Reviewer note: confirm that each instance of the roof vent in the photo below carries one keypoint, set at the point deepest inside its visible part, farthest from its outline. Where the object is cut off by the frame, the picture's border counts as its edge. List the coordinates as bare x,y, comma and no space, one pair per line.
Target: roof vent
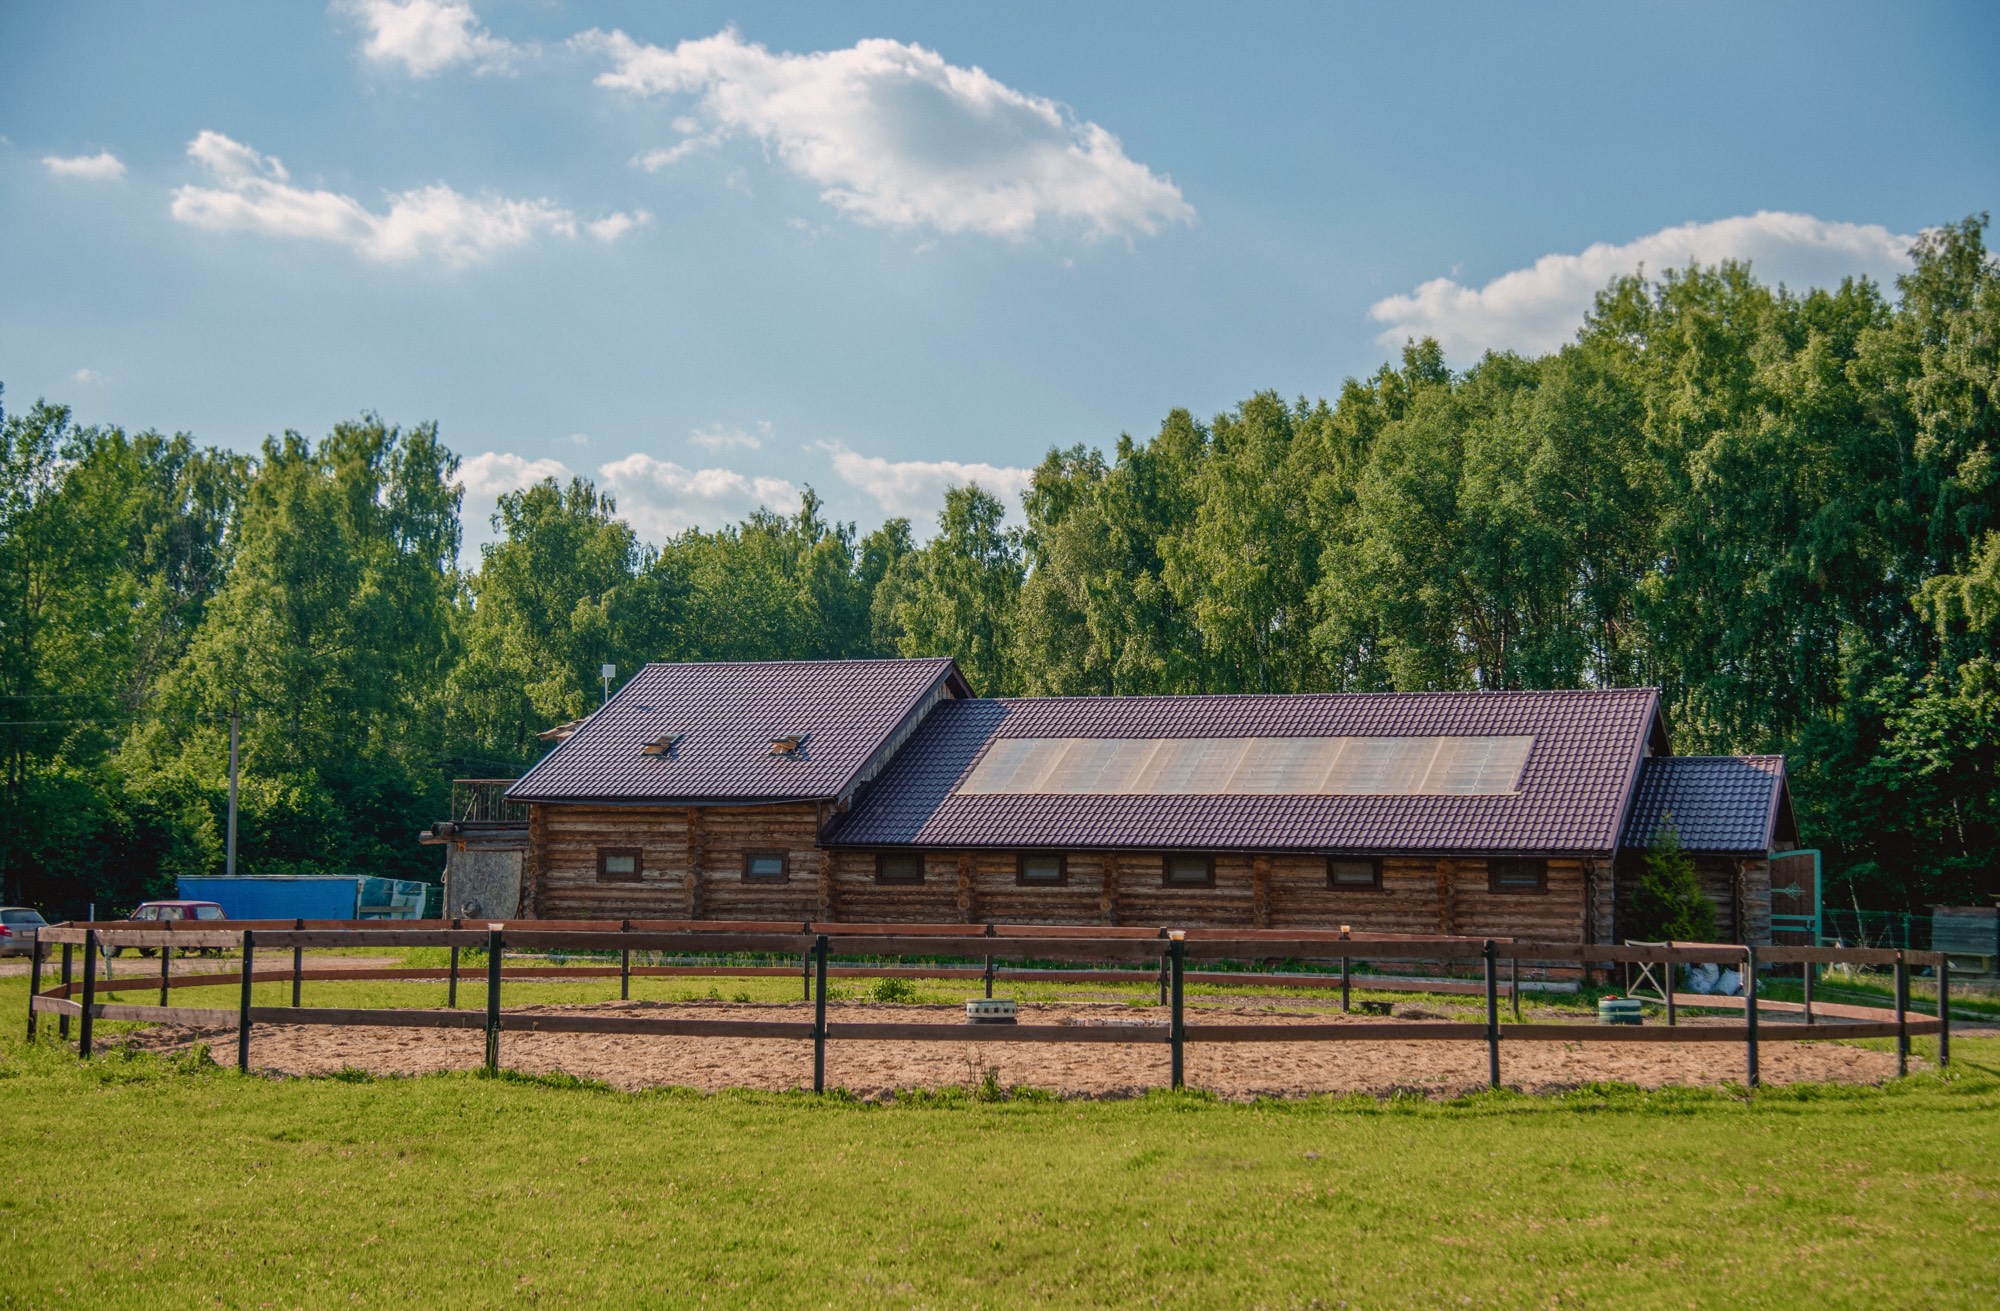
663,745
792,747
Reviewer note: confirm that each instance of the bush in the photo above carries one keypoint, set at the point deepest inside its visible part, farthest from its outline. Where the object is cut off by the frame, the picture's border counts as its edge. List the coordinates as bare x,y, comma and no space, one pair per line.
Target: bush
1668,903
893,989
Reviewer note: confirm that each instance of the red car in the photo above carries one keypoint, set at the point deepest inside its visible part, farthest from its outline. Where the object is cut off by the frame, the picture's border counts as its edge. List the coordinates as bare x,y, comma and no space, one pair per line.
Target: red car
155,911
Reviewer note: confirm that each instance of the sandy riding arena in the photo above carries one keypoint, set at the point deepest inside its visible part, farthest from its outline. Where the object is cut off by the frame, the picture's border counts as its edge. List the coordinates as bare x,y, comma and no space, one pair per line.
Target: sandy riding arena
872,1069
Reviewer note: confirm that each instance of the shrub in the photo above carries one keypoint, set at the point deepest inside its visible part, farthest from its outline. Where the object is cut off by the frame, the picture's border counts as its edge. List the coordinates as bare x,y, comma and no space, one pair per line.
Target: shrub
893,989
1668,903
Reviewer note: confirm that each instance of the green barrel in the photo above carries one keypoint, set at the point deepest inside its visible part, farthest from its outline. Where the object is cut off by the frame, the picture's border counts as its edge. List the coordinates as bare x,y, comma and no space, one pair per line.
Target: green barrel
1618,1010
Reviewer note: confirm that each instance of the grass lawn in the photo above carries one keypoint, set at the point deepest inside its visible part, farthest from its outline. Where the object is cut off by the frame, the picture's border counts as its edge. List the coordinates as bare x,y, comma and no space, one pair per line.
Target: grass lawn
135,1181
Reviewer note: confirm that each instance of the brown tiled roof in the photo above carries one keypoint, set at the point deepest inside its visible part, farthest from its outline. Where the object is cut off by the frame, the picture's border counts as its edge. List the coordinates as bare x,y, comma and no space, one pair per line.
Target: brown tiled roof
1724,804
1572,794
727,716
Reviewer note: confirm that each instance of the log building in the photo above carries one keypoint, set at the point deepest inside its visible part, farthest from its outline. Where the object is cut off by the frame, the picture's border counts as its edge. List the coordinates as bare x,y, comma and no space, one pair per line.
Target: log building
882,790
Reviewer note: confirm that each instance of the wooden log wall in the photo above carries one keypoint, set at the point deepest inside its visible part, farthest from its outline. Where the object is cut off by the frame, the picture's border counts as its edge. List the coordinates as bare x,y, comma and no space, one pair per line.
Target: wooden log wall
1739,888
691,862
692,866
1289,892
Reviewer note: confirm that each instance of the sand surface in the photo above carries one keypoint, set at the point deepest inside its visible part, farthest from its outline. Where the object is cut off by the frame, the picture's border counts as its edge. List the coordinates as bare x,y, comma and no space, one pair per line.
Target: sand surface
873,1069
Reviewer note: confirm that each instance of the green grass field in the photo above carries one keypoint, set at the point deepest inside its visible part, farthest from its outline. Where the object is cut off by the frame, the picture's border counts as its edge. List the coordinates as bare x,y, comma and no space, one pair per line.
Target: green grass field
137,1181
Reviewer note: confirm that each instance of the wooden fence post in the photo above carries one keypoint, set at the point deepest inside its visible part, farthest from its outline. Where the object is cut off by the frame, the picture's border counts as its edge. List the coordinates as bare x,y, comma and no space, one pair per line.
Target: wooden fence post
1492,1016
1902,983
492,1001
1812,972
89,990
625,965
298,965
34,982
989,978
1177,1019
62,1022
243,1004
1750,1011
819,1016
166,968
1944,1010
1344,980
451,988
1514,983
1673,981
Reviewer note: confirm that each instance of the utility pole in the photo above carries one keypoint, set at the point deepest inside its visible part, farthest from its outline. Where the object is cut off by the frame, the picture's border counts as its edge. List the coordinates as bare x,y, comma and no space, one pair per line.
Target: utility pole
235,722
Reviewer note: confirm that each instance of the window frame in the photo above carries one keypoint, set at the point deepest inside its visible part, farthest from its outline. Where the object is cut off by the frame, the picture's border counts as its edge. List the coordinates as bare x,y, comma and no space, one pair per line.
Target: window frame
1021,878
1494,885
1335,885
638,855
882,859
1167,879
784,859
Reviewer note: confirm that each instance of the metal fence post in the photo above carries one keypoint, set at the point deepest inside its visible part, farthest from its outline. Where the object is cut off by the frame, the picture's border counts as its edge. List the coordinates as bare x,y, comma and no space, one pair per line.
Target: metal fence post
34,983
1944,1010
1902,1015
806,972
492,1001
625,965
819,1015
1812,973
1514,983
166,968
298,964
1344,981
451,988
1177,1021
989,978
1750,1012
1492,1016
243,1005
89,990
62,1021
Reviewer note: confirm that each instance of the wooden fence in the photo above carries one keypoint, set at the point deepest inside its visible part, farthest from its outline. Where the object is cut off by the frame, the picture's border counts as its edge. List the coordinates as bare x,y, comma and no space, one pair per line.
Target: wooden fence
1165,954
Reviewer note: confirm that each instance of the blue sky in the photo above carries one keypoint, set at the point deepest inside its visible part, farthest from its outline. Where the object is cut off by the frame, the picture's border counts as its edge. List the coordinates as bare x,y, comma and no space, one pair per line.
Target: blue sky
708,255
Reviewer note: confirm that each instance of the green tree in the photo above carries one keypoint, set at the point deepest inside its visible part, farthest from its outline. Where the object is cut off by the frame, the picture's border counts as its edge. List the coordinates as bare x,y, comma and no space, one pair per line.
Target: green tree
956,595
1667,903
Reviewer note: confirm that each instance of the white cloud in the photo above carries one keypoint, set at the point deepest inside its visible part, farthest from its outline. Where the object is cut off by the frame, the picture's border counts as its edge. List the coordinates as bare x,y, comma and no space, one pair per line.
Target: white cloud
254,194
915,488
660,498
428,36
719,438
1539,308
892,134
495,472
100,167
86,376
614,226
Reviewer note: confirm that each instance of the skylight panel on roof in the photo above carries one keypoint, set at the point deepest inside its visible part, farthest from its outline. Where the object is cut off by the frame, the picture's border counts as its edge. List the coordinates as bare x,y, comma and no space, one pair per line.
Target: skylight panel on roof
1251,766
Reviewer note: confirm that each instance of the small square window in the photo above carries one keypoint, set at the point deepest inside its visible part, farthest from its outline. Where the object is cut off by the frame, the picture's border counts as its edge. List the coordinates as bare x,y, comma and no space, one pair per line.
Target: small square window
1516,874
899,867
1357,872
1190,871
767,866
618,865
1043,870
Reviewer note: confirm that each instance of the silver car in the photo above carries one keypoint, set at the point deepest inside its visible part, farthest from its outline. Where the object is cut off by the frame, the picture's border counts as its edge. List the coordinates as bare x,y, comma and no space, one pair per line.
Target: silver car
19,926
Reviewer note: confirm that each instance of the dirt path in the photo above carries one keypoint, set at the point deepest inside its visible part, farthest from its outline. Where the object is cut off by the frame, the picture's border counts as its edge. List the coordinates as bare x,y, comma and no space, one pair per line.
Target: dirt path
875,1069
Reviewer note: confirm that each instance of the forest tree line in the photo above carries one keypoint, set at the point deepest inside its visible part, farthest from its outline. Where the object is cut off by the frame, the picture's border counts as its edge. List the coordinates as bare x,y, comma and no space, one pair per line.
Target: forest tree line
1782,509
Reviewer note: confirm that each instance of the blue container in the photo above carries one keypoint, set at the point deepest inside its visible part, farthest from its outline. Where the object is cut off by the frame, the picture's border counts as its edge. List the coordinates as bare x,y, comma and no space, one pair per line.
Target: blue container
277,896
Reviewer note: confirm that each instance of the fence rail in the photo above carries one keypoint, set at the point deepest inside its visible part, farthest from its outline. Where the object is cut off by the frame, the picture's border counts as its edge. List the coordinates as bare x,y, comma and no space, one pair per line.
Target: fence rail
813,944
